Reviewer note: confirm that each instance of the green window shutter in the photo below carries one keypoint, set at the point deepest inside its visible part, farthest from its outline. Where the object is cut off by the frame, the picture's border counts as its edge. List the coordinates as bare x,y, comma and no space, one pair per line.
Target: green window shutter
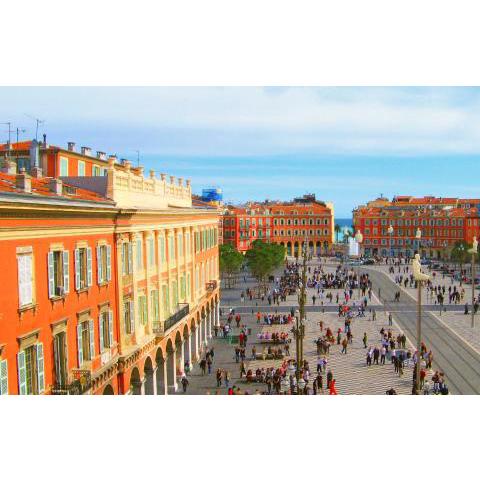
40,368
132,317
92,339
110,327
51,275
109,264
130,258
22,373
3,377
89,267
76,255
100,328
56,356
80,345
66,274
99,265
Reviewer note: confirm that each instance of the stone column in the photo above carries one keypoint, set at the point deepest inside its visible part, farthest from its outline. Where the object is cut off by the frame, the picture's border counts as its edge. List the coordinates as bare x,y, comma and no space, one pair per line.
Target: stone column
210,324
182,355
161,379
172,371
188,354
217,314
142,386
154,380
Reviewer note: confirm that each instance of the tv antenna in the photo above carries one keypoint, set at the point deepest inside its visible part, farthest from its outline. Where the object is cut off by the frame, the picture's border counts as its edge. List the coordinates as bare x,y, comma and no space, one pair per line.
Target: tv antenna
10,131
38,121
20,130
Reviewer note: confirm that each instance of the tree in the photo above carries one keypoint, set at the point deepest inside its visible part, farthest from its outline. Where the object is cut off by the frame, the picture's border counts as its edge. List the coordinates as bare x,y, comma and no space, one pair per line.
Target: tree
460,253
230,263
338,229
262,260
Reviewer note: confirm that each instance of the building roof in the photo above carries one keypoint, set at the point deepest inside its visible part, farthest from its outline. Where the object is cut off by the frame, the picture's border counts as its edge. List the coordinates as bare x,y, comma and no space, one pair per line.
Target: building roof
41,188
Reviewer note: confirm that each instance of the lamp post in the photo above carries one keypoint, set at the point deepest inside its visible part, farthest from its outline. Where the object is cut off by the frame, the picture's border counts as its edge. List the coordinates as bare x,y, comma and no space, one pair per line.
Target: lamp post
473,251
390,233
299,328
419,278
359,239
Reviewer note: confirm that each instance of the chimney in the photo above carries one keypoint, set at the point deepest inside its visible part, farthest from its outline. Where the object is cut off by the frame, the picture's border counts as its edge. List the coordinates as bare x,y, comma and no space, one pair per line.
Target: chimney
112,159
71,146
101,155
55,185
152,173
44,139
87,151
23,182
8,166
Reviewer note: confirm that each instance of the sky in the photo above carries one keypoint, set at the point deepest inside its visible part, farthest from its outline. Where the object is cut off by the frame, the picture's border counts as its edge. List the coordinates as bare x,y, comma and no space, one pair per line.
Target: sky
347,144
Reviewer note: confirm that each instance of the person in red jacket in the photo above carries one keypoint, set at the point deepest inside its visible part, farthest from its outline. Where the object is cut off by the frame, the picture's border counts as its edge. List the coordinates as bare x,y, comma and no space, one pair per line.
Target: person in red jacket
333,390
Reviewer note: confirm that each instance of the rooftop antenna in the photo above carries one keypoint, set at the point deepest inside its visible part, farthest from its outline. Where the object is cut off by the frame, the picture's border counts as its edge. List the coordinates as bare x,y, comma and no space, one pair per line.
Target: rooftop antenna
20,130
38,121
9,130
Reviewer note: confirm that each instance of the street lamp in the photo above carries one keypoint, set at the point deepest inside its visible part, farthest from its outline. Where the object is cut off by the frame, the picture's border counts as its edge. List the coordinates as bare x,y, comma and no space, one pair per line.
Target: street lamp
473,251
359,239
419,278
299,328
390,232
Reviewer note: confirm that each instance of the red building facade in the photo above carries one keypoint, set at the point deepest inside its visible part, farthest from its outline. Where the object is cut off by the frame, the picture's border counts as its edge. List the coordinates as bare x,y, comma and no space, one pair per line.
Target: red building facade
442,222
288,224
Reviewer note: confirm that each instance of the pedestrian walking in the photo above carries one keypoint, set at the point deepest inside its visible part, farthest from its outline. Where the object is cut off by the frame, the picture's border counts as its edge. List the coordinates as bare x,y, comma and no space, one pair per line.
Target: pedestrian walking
184,383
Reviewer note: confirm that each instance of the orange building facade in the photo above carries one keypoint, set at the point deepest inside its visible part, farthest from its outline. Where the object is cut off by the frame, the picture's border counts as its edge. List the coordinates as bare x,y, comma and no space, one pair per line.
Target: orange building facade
442,222
110,281
287,223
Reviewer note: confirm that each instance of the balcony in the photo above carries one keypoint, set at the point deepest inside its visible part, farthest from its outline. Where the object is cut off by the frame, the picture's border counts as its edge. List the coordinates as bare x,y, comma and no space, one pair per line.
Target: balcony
159,328
211,286
81,382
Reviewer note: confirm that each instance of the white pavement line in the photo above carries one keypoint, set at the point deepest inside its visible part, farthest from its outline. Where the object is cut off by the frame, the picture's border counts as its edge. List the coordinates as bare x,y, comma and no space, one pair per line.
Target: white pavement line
441,321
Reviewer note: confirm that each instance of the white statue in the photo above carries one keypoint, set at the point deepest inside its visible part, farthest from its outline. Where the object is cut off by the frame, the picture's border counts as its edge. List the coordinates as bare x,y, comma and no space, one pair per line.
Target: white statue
474,248
417,271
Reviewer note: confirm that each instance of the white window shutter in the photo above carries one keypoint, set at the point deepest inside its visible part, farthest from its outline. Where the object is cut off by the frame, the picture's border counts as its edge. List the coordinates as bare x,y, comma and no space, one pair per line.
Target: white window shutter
22,373
28,288
77,268
89,267
66,273
132,317
99,265
40,368
100,327
92,339
110,327
3,377
21,280
51,276
109,263
79,345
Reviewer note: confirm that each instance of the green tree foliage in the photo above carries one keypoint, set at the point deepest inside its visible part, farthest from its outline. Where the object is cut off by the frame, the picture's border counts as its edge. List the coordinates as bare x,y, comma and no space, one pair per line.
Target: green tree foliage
262,260
460,252
338,229
230,263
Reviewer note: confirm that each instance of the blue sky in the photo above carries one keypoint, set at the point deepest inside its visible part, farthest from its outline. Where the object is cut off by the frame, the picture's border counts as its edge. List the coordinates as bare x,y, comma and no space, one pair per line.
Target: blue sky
346,144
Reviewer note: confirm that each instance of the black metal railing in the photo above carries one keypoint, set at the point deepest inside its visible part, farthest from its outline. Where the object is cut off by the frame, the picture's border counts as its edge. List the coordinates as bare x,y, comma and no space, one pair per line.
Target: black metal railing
81,383
179,315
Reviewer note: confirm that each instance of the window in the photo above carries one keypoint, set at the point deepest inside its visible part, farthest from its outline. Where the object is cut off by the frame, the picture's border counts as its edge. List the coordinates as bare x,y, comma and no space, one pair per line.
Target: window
31,376
83,268
3,377
151,251
174,293
96,171
85,342
81,168
127,263
183,289
162,249
142,309
58,273
25,279
171,248
180,245
104,263
154,306
128,317
105,327
166,300
139,254
60,358
63,167
187,244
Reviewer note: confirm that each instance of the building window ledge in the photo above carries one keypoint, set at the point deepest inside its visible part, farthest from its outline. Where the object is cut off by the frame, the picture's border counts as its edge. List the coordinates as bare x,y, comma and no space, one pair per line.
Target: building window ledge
57,298
82,290
30,306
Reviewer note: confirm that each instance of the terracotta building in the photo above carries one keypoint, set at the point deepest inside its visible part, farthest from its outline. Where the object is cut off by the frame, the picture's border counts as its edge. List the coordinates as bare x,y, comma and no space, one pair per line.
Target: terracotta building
285,223
111,281
442,222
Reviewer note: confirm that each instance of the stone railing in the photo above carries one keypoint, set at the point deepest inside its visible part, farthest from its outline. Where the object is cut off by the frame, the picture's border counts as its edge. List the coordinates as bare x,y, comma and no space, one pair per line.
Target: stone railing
129,188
